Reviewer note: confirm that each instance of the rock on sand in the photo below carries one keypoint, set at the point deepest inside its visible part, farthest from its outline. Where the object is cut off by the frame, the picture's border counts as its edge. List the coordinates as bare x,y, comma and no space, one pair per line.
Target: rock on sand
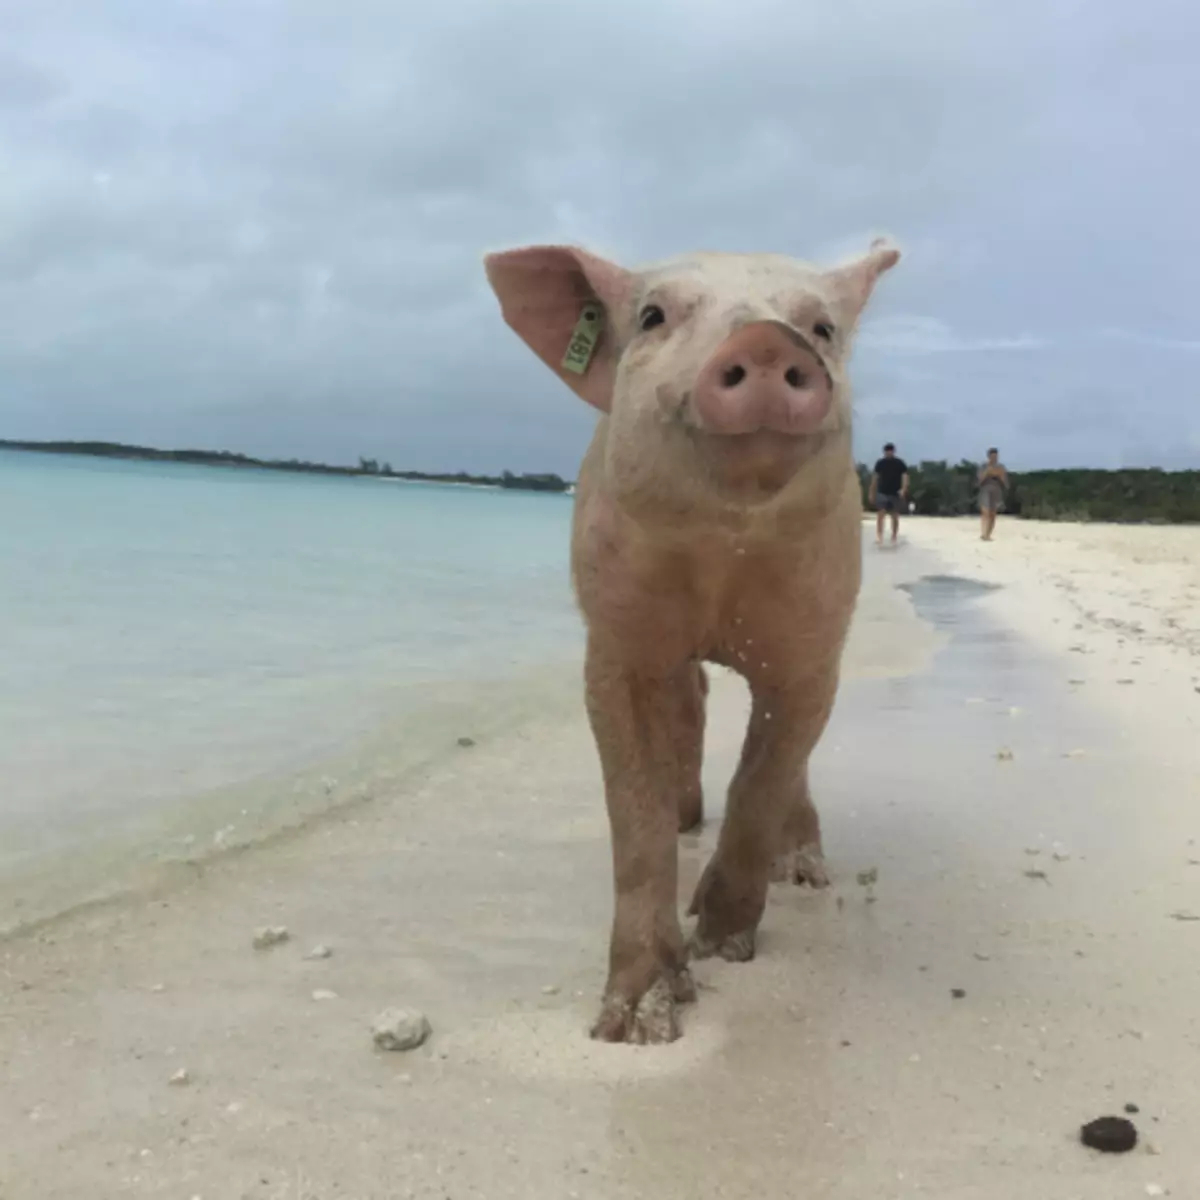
400,1029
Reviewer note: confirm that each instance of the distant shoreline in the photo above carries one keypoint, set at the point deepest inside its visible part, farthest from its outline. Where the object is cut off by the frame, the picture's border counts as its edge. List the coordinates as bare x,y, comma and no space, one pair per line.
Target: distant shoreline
1131,495
367,467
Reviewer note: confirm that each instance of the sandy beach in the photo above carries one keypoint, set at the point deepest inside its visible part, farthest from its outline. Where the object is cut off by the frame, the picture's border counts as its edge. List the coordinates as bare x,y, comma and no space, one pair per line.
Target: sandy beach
1013,761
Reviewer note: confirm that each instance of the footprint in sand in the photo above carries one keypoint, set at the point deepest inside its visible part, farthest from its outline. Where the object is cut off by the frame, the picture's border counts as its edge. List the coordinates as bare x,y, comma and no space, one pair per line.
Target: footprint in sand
553,1044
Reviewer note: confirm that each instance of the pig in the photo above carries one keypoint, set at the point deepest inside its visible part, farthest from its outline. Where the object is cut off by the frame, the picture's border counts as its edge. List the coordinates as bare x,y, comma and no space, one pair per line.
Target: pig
717,520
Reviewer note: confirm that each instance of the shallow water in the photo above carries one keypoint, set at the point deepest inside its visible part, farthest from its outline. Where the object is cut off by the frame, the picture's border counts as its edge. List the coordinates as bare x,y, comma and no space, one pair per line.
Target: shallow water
192,655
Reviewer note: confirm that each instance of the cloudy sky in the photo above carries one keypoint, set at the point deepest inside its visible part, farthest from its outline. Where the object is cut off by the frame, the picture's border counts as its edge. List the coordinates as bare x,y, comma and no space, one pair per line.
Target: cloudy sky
257,224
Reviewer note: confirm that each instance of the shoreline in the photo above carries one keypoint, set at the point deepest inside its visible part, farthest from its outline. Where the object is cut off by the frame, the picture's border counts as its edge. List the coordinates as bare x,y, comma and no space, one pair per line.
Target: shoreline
1041,886
150,856
173,843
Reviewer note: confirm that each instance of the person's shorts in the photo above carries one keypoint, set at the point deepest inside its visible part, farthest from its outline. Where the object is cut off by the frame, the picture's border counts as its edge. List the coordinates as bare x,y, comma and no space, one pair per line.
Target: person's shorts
990,501
887,503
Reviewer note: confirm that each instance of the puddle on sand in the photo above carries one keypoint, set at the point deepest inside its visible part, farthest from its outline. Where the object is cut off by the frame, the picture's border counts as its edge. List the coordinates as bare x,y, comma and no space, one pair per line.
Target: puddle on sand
941,599
986,654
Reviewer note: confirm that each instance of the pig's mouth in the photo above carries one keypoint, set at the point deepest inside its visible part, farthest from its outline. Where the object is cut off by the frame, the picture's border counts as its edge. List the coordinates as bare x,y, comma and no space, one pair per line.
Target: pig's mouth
750,467
757,430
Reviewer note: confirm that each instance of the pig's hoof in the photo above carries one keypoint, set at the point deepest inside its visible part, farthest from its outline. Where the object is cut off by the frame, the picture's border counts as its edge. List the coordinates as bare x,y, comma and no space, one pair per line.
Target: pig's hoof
651,1019
737,947
803,866
691,815
727,910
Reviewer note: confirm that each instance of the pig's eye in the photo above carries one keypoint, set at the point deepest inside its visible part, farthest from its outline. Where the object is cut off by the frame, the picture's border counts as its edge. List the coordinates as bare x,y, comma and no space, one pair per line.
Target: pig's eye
651,316
824,331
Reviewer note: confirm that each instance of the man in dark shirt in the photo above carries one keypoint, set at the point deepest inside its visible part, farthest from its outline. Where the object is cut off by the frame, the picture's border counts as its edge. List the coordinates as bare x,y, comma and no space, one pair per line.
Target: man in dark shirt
889,489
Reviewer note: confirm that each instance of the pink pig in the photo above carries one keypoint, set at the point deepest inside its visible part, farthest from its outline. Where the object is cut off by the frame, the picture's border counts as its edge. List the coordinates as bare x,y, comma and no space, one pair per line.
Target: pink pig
717,519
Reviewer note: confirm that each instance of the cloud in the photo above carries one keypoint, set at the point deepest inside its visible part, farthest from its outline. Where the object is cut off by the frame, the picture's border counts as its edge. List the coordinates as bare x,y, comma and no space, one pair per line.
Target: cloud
258,224
1152,340
929,335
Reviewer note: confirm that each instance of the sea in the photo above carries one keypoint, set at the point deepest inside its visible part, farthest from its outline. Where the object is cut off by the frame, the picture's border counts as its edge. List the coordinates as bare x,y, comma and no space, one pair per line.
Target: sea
195,658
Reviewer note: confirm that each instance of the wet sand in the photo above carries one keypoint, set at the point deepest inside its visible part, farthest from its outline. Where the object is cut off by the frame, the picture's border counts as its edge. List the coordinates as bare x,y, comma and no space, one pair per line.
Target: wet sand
1045,884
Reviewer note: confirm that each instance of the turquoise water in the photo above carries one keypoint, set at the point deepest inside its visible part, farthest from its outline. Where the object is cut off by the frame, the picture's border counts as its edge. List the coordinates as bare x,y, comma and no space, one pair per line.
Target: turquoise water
192,656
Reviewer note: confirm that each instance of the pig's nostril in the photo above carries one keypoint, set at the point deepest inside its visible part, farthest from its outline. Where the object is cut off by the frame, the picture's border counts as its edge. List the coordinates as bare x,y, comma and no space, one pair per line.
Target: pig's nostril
733,376
794,378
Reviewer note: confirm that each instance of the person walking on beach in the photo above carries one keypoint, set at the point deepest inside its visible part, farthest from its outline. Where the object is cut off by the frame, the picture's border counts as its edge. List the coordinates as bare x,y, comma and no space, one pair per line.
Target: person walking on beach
993,483
889,489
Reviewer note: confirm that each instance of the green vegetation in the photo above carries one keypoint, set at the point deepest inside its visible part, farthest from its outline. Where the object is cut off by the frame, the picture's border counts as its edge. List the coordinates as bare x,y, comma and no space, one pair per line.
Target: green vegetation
1131,495
224,458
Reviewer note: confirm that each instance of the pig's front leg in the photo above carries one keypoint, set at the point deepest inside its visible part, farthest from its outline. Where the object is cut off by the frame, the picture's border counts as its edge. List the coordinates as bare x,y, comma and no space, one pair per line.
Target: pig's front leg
634,719
768,802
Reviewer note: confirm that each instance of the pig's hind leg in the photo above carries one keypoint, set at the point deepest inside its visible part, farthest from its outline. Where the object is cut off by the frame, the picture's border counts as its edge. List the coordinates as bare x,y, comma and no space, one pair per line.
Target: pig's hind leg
801,859
689,747
768,802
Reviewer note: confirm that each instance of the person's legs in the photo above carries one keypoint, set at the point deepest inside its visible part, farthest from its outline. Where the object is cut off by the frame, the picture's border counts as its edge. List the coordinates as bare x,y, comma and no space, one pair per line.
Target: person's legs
987,518
888,506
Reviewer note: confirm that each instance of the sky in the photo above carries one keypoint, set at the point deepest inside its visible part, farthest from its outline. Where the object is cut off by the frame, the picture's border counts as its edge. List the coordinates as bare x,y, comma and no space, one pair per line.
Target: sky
258,225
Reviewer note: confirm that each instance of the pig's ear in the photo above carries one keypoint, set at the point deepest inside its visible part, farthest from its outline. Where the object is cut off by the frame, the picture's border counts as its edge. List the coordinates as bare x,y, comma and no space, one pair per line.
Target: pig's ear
854,281
561,301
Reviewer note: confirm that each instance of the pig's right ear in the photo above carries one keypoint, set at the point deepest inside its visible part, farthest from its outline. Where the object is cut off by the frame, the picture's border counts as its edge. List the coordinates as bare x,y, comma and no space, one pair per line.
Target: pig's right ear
561,302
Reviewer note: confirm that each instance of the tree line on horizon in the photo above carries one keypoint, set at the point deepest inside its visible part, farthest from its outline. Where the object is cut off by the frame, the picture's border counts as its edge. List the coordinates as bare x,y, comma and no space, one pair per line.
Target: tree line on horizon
545,482
1131,495
226,458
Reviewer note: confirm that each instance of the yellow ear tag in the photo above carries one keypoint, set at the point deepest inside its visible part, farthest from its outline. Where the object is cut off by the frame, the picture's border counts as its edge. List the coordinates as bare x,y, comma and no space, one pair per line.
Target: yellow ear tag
585,337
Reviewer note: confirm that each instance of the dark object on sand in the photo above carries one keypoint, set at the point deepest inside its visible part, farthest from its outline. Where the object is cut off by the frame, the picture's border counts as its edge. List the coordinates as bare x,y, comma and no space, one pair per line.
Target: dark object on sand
1110,1135
466,743
958,993
1132,1108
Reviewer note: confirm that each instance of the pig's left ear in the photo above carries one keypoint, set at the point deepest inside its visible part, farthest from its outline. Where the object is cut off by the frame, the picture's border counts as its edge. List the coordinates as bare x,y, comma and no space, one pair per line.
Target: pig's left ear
560,301
855,281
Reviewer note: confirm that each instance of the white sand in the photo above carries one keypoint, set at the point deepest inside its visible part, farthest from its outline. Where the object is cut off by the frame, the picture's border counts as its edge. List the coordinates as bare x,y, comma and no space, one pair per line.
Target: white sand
835,1065
1120,601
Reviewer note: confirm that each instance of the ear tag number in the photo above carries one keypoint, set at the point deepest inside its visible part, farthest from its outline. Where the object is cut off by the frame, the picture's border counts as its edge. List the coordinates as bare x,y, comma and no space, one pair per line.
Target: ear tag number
585,337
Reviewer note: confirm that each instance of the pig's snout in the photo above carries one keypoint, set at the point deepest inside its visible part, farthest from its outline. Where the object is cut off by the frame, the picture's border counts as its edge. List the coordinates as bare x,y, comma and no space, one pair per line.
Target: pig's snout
763,377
